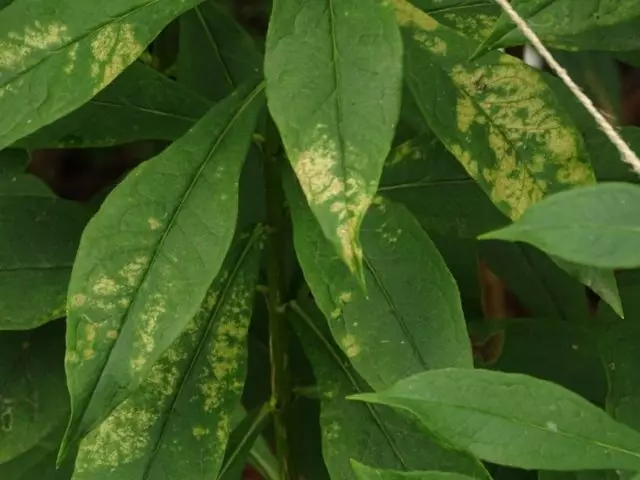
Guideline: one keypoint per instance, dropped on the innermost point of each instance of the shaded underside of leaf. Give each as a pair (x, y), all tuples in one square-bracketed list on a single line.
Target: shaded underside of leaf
[(342, 62), (216, 54), (130, 295), (177, 423)]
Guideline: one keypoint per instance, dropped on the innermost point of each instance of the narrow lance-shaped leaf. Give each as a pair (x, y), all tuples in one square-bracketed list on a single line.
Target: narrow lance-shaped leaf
[(377, 436), (596, 225), (53, 60), (500, 119), (241, 442), (216, 54), (515, 420), (130, 295), (176, 425), (141, 104), (594, 26), (334, 73), (411, 319), (363, 472), (39, 239)]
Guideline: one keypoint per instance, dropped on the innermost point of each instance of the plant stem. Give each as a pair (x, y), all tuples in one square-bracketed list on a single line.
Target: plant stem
[(278, 328)]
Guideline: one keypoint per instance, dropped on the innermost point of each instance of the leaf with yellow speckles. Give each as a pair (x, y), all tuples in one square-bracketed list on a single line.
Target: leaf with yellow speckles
[(334, 77), (412, 319), (216, 54), (147, 258), (473, 18), (39, 240), (53, 60), (33, 394), (176, 425), (501, 120), (367, 433), (602, 25), (140, 104)]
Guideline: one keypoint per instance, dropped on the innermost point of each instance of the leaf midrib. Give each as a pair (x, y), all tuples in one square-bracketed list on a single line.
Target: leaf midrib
[(516, 421), (165, 234), (198, 350)]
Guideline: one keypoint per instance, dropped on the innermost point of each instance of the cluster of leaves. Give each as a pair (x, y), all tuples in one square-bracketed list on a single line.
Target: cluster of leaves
[(290, 280)]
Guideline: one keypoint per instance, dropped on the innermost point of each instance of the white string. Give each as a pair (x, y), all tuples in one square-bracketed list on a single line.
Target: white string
[(628, 156)]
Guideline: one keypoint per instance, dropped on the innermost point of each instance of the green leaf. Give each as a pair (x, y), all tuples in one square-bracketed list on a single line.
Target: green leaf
[(543, 288), (364, 472), (515, 420), (473, 18), (512, 136), (597, 26), (377, 436), (598, 75), (40, 236), (411, 319), (56, 59), (342, 62), (130, 295), (519, 148), (40, 461), (177, 423), (140, 104), (564, 353), (33, 396), (605, 155), (241, 442), (620, 356), (216, 54), (596, 225)]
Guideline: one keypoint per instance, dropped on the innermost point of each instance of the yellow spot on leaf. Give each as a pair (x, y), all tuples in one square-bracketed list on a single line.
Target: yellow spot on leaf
[(408, 15), (154, 224), (350, 345), (105, 286), (113, 49)]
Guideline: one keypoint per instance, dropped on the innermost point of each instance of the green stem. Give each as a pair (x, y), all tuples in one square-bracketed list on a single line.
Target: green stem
[(278, 327)]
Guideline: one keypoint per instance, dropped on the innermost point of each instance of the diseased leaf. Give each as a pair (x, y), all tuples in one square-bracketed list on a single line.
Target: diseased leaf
[(507, 128), (40, 236), (130, 295), (473, 18), (177, 423), (364, 472), (411, 319), (377, 436), (216, 54), (596, 225), (334, 77), (54, 60), (515, 420), (33, 396), (140, 104), (595, 25)]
